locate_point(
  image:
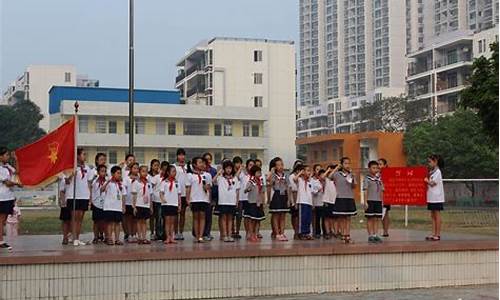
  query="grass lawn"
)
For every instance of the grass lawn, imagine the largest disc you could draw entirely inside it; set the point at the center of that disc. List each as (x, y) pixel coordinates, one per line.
(454, 220)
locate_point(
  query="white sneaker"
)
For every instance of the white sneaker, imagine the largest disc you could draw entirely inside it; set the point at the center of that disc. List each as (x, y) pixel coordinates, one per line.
(76, 243)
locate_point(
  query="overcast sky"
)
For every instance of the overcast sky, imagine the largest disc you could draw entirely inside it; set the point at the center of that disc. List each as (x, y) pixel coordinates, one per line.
(93, 34)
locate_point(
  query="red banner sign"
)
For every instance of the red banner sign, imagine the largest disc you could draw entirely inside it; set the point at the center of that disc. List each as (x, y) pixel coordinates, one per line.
(405, 186)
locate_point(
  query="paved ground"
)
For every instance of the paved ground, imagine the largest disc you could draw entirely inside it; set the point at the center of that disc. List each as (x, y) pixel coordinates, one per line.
(477, 292)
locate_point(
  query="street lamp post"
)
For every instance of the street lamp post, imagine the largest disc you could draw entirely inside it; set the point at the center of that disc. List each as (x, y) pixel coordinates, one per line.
(131, 79)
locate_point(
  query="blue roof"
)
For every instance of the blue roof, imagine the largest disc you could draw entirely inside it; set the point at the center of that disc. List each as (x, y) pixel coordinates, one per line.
(59, 93)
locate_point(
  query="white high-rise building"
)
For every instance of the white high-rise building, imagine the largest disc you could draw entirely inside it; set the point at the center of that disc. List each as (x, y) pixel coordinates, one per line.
(36, 81)
(251, 73)
(351, 52)
(443, 38)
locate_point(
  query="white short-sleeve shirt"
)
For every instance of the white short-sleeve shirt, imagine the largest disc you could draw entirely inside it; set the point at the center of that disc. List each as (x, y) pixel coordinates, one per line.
(143, 192)
(171, 192)
(113, 196)
(6, 173)
(84, 176)
(435, 194)
(181, 177)
(128, 185)
(97, 195)
(198, 193)
(244, 177)
(228, 189)
(330, 191)
(156, 182)
(304, 191)
(318, 192)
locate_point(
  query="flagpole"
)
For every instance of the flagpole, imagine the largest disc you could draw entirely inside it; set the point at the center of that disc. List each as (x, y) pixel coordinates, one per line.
(75, 162)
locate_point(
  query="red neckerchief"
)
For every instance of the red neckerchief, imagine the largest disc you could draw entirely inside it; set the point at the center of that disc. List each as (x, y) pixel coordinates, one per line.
(171, 181)
(279, 176)
(229, 180)
(257, 181)
(82, 169)
(118, 183)
(144, 181)
(321, 181)
(182, 167)
(101, 180)
(199, 177)
(306, 183)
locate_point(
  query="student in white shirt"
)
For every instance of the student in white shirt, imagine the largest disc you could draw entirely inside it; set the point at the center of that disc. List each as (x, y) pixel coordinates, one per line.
(373, 190)
(258, 163)
(228, 187)
(170, 195)
(142, 192)
(253, 213)
(435, 194)
(318, 221)
(65, 213)
(97, 197)
(243, 177)
(114, 205)
(81, 202)
(156, 225)
(129, 223)
(181, 177)
(7, 198)
(305, 190)
(238, 166)
(198, 188)
(156, 181)
(329, 196)
(292, 196)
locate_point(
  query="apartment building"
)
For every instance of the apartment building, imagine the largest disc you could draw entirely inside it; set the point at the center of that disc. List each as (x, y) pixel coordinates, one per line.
(351, 52)
(162, 124)
(439, 66)
(35, 82)
(248, 74)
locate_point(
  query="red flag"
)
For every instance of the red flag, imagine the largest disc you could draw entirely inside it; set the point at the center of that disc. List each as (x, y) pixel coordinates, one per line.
(40, 162)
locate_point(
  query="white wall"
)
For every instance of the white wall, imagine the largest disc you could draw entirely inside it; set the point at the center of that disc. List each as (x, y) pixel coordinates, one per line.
(41, 79)
(233, 80)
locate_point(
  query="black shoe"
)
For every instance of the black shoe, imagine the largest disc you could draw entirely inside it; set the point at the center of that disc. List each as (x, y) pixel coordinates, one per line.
(5, 246)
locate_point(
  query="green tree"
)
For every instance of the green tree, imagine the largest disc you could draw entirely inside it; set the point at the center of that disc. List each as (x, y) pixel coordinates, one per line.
(460, 140)
(19, 124)
(482, 94)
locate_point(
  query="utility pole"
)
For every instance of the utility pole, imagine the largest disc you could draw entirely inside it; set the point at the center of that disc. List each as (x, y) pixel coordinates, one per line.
(131, 127)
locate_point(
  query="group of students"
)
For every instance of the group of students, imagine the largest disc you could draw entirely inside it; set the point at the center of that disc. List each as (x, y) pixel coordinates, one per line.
(319, 200)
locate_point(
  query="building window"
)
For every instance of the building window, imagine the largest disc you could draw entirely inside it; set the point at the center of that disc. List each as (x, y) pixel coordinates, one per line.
(257, 101)
(246, 129)
(217, 157)
(172, 156)
(480, 46)
(100, 125)
(323, 155)
(160, 127)
(127, 127)
(112, 157)
(67, 77)
(228, 128)
(172, 128)
(217, 129)
(83, 124)
(112, 127)
(257, 78)
(253, 155)
(139, 156)
(140, 126)
(255, 130)
(162, 155)
(257, 55)
(196, 127)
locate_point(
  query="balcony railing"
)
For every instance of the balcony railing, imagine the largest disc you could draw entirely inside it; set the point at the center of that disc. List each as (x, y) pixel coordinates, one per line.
(453, 60)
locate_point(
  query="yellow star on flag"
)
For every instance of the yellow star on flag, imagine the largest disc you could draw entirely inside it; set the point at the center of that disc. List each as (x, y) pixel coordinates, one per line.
(53, 150)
